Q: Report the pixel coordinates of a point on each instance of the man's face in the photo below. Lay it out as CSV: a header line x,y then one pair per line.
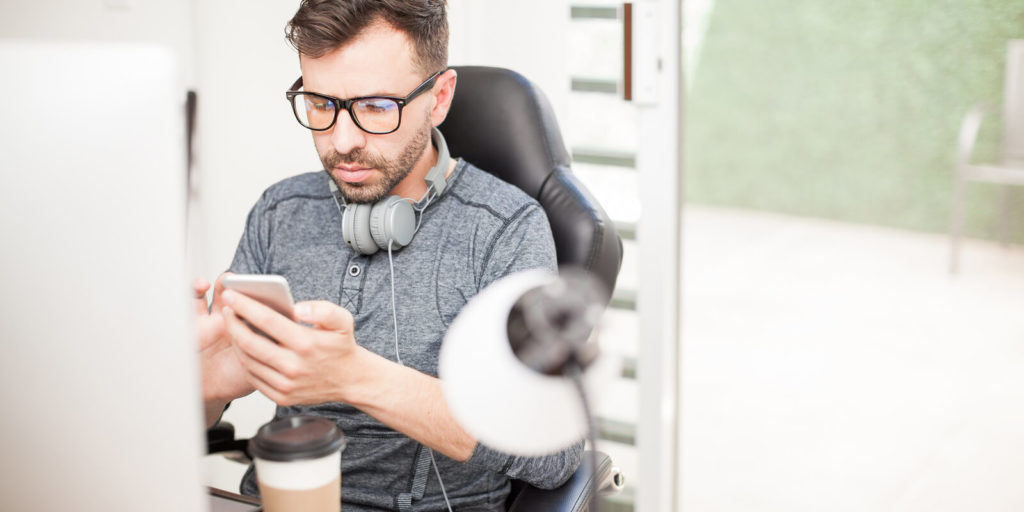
x,y
368,167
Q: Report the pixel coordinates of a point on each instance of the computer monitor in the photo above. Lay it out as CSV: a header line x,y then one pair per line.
x,y
98,370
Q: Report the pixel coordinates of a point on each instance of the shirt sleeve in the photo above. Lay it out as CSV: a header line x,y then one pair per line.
x,y
525,243
544,472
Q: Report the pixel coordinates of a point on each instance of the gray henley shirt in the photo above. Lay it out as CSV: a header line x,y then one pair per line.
x,y
478,231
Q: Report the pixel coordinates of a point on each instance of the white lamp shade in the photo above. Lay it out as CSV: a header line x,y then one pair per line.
x,y
503,403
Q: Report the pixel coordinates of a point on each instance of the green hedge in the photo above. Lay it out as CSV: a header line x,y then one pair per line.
x,y
847,109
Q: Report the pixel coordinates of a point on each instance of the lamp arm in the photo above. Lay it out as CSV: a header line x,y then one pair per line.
x,y
574,371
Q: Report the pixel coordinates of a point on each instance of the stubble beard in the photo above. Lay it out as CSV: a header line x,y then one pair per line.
x,y
392,172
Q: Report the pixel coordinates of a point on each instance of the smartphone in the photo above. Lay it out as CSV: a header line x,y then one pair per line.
x,y
269,289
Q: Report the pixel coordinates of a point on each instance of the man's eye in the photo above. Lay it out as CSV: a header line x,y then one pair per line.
x,y
320,105
378,106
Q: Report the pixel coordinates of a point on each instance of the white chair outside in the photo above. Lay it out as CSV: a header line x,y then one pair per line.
x,y
1009,169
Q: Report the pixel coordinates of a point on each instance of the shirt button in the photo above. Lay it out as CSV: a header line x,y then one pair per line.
x,y
354,270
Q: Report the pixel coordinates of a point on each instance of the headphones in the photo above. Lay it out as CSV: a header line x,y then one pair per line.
x,y
367,228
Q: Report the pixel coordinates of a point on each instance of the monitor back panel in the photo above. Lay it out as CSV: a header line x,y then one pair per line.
x,y
98,374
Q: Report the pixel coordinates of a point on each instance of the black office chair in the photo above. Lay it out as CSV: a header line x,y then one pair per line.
x,y
502,123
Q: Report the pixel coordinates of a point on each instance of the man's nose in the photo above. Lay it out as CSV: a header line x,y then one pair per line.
x,y
345,135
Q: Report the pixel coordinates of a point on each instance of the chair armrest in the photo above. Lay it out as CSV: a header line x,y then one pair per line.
x,y
575,494
220,438
969,134
218,435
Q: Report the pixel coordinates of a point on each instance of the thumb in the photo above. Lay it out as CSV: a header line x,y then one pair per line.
x,y
325,315
218,289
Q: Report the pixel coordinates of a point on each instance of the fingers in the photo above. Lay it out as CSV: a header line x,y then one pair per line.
x,y
276,326
297,369
218,291
199,288
325,315
268,390
268,367
254,344
262,376
211,329
209,324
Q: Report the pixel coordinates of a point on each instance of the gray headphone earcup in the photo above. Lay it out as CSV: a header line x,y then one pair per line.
x,y
394,220
355,228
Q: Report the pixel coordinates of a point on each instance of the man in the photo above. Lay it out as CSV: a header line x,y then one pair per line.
x,y
374,85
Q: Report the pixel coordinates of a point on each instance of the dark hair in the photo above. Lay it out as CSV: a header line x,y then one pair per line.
x,y
321,26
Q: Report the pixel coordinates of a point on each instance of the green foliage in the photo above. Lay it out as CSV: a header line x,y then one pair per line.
x,y
847,109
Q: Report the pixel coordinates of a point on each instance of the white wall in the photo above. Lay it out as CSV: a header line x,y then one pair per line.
x,y
234,54
248,137
528,36
248,140
166,22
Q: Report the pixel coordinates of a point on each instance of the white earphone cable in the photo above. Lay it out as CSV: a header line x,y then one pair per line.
x,y
394,310
398,357
430,198
438,473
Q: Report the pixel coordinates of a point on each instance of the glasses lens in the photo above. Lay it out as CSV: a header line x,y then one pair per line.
x,y
313,111
377,115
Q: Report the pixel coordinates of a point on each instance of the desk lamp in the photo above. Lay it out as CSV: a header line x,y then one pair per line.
x,y
518,358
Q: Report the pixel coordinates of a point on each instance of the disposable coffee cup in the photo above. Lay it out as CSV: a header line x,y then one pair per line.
x,y
298,464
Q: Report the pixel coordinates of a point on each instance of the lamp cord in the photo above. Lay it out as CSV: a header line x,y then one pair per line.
x,y
574,370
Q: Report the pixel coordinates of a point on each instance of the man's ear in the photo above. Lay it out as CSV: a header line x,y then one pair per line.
x,y
444,91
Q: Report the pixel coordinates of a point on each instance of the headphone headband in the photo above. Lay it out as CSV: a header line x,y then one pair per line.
x,y
435,177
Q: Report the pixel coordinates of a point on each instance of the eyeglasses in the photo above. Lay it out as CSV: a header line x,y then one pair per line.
x,y
372,114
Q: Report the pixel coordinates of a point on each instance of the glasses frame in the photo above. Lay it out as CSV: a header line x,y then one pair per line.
x,y
342,104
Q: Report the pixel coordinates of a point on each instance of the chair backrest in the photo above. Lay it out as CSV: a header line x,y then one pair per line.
x,y
1013,103
503,123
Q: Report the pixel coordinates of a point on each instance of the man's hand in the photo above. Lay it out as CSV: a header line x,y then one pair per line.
x,y
223,376
308,365
320,362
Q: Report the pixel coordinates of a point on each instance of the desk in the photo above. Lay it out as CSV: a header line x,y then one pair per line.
x,y
224,501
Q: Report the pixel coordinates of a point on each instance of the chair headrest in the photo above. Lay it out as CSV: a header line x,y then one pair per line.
x,y
503,123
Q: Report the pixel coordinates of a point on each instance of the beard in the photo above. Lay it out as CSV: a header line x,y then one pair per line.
x,y
392,171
